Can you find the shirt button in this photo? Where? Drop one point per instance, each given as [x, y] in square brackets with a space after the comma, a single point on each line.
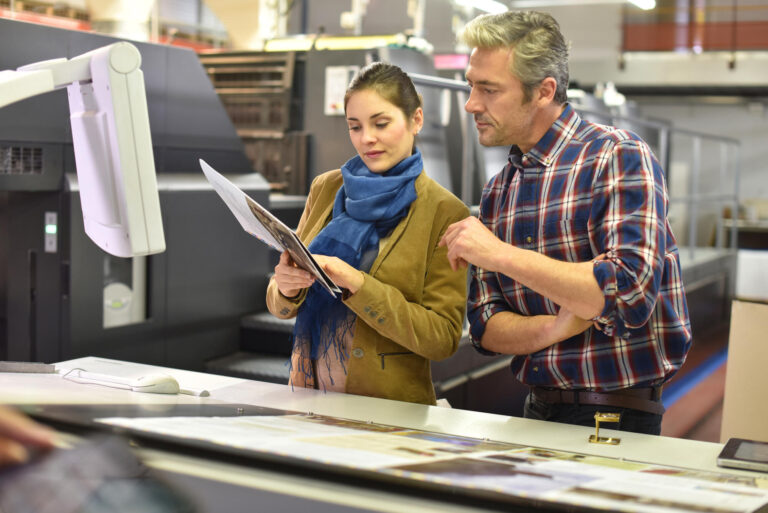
[358, 352]
[535, 369]
[529, 239]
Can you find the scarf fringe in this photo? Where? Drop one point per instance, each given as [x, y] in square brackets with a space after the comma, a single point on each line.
[332, 334]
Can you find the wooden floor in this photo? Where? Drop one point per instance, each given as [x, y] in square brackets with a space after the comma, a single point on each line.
[697, 414]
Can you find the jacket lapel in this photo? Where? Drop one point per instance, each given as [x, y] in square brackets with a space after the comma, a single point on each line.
[398, 231]
[324, 216]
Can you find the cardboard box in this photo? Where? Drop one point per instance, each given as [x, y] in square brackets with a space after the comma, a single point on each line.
[752, 275]
[745, 408]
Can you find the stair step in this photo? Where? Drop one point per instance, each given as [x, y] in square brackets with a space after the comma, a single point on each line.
[256, 366]
[264, 333]
[267, 321]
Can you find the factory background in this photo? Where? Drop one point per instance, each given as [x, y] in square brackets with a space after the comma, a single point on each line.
[251, 85]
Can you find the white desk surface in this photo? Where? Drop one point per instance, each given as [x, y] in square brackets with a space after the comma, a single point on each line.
[18, 388]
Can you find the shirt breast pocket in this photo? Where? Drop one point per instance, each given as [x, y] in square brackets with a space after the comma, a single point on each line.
[568, 240]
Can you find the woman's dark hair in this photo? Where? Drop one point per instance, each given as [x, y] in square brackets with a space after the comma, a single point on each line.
[390, 82]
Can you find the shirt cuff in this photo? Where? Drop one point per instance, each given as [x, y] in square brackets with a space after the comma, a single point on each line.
[480, 349]
[477, 324]
[605, 274]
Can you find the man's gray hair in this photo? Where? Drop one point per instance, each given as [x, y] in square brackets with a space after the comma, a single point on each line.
[540, 48]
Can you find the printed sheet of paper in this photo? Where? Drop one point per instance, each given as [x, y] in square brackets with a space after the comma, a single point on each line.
[458, 462]
[259, 222]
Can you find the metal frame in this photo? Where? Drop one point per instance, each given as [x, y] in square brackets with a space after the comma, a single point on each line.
[693, 197]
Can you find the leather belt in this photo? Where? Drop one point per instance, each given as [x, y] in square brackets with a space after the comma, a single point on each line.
[647, 399]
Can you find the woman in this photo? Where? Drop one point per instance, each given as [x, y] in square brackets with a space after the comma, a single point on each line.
[374, 227]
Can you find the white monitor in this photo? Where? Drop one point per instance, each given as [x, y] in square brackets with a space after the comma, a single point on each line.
[111, 139]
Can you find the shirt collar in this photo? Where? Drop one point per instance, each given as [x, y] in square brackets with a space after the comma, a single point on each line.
[554, 140]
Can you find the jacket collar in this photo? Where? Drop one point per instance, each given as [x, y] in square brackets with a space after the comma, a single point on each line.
[397, 232]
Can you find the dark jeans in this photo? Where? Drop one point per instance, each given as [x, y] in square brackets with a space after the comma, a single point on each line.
[584, 415]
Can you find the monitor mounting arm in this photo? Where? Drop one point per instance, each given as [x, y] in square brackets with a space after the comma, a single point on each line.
[111, 140]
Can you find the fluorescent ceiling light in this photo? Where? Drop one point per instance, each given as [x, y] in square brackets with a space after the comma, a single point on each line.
[644, 4]
[533, 4]
[491, 6]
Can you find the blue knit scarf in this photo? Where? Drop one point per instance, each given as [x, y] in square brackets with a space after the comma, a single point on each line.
[367, 207]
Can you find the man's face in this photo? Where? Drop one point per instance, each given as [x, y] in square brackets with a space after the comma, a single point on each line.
[502, 115]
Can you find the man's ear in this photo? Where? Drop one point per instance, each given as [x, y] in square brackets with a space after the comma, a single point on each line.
[545, 93]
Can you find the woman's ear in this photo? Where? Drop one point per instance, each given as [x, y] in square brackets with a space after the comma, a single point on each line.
[417, 120]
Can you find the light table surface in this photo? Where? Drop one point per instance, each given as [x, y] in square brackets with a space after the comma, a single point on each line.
[37, 389]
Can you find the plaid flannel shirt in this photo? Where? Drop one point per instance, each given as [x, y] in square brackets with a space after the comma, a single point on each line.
[586, 190]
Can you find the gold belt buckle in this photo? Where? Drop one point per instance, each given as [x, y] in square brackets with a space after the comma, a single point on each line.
[604, 417]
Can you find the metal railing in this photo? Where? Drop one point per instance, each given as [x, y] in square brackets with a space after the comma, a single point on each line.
[727, 193]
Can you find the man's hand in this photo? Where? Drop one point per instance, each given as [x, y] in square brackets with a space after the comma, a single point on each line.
[510, 333]
[342, 274]
[470, 241]
[17, 432]
[566, 324]
[290, 278]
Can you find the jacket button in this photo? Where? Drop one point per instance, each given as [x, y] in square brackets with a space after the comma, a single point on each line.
[529, 239]
[358, 352]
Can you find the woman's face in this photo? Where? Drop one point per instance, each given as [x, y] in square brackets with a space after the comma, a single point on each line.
[379, 130]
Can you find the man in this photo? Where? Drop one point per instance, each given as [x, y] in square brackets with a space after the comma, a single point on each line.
[574, 267]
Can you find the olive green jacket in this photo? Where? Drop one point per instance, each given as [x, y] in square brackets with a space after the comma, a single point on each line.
[410, 309]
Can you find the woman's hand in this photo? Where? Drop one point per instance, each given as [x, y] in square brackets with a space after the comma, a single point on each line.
[290, 278]
[342, 274]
